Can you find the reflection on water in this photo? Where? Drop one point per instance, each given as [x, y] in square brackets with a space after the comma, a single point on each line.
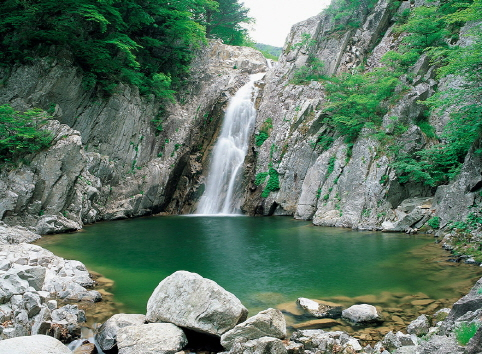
[265, 262]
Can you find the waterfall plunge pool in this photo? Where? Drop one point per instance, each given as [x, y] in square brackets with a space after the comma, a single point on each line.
[269, 262]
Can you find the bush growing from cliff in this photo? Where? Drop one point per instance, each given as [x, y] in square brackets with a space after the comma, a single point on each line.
[21, 133]
[465, 331]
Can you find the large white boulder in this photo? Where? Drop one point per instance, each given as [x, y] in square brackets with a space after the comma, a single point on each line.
[37, 344]
[152, 338]
[363, 313]
[191, 301]
[267, 323]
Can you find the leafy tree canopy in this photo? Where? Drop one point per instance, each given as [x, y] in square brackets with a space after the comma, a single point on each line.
[145, 43]
[225, 22]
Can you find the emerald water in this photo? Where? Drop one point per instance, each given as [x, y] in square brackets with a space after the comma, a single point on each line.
[264, 261]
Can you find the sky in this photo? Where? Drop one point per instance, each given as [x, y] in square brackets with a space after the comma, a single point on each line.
[274, 18]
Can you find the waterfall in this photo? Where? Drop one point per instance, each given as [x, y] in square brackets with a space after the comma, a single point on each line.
[223, 187]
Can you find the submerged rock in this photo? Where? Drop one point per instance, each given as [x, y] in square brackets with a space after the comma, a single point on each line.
[189, 300]
[153, 338]
[267, 323]
[320, 309]
[360, 314]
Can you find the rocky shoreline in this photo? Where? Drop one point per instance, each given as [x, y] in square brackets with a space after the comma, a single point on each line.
[43, 294]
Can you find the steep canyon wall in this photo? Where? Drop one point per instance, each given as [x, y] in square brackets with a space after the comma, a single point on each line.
[110, 161]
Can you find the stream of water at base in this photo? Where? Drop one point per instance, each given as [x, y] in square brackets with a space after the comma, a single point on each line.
[266, 261]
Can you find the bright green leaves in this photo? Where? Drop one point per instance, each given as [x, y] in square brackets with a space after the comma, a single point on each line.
[359, 100]
[425, 28]
[145, 43]
[20, 133]
[225, 21]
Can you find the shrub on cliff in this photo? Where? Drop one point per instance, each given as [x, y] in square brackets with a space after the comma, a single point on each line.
[20, 133]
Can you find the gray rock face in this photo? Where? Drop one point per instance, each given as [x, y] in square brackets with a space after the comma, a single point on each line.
[108, 160]
[264, 345]
[441, 345]
[475, 344]
[19, 234]
[361, 314]
[267, 323]
[33, 345]
[470, 303]
[420, 326]
[152, 338]
[314, 340]
[107, 333]
[31, 277]
[189, 300]
[320, 309]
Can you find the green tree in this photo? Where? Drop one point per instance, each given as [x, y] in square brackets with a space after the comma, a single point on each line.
[133, 41]
[225, 22]
[21, 133]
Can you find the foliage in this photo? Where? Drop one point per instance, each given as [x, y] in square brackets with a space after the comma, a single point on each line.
[324, 142]
[269, 51]
[345, 12]
[430, 29]
[263, 134]
[260, 138]
[20, 133]
[225, 21]
[260, 178]
[465, 331]
[272, 184]
[434, 222]
[331, 166]
[312, 71]
[145, 43]
[360, 100]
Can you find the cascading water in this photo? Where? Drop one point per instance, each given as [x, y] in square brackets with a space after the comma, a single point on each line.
[223, 188]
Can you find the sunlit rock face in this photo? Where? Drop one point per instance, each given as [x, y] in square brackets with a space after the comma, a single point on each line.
[347, 185]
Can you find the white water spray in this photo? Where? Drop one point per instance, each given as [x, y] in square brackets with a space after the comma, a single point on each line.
[223, 187]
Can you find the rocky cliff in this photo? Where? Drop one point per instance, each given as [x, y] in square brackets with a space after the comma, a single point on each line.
[129, 155]
[349, 185]
[109, 160]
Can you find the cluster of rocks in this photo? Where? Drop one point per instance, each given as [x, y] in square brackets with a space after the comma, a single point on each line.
[187, 312]
[33, 282]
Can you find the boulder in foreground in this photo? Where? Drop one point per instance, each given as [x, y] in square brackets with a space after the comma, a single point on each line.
[191, 301]
[152, 338]
[267, 323]
[37, 344]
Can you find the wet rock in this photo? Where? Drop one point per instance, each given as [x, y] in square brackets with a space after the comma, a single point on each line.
[86, 348]
[360, 314]
[66, 323]
[267, 323]
[320, 309]
[155, 338]
[315, 324]
[106, 337]
[35, 344]
[189, 300]
[419, 327]
[264, 345]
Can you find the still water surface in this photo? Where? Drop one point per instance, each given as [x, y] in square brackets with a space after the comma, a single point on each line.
[263, 261]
